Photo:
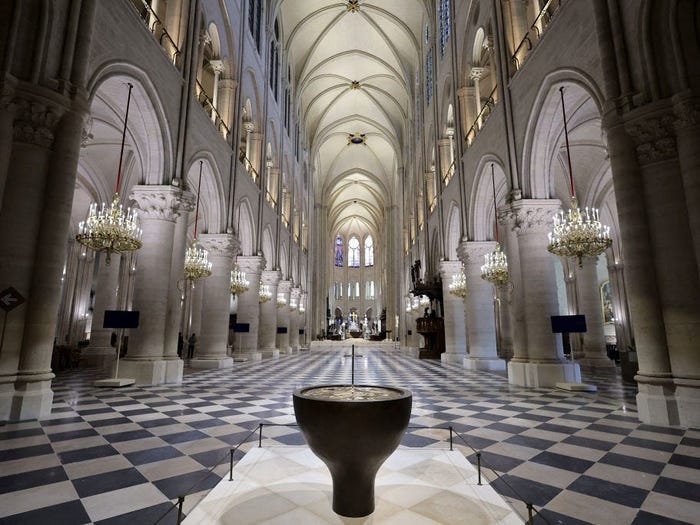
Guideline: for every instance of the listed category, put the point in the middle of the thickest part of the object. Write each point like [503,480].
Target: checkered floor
[115,456]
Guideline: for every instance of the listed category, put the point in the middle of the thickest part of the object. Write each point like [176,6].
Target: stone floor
[124,455]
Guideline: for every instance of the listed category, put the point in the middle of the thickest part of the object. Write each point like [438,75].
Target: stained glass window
[339,251]
[354,253]
[369,251]
[429,76]
[444,16]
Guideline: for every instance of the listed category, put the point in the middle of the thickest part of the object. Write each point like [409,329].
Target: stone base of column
[98,357]
[214,362]
[150,372]
[452,357]
[7,392]
[246,355]
[487,364]
[286,351]
[656,401]
[688,397]
[30,400]
[270,353]
[411,351]
[174,370]
[596,362]
[538,375]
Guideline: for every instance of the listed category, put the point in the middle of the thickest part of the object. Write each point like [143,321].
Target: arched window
[369,251]
[255,20]
[354,252]
[339,251]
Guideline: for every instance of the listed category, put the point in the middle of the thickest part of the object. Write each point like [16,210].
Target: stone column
[268,316]
[283,289]
[476,74]
[249,307]
[479,309]
[101,353]
[465,109]
[446,158]
[227,96]
[540,361]
[594,351]
[146,359]
[455,334]
[504,329]
[517,14]
[255,153]
[218,67]
[34,224]
[623,330]
[213,336]
[294,320]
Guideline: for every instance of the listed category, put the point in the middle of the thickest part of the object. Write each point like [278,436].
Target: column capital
[528,215]
[157,202]
[217,66]
[448,269]
[296,292]
[271,277]
[477,72]
[284,286]
[653,137]
[252,264]
[187,201]
[472,252]
[219,244]
[35,122]
[687,110]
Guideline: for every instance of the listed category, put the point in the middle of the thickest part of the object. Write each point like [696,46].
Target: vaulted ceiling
[354,65]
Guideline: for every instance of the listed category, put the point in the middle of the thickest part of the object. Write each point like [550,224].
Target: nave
[118,456]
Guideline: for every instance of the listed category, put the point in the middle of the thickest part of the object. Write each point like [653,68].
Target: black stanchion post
[230,468]
[180,501]
[529,514]
[450,438]
[478,468]
[353,365]
[260,437]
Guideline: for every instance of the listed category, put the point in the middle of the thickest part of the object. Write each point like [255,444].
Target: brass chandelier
[264,295]
[577,233]
[197,265]
[111,229]
[281,300]
[495,268]
[458,286]
[239,283]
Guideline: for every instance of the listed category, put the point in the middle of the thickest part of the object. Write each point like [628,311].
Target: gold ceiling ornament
[264,295]
[112,229]
[353,6]
[495,268]
[197,265]
[239,283]
[458,286]
[355,85]
[356,138]
[577,233]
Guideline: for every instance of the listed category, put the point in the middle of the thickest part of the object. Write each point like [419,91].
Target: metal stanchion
[260,436]
[478,467]
[180,501]
[450,438]
[529,514]
[230,469]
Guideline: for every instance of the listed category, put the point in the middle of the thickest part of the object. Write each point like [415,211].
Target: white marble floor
[283,485]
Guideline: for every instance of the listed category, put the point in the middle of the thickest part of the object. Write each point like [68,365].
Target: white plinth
[114,383]
[278,485]
[577,387]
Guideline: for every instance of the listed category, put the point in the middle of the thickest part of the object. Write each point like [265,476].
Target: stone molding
[35,122]
[251,264]
[219,244]
[654,138]
[157,202]
[472,252]
[188,201]
[271,277]
[529,215]
[284,287]
[296,293]
[687,110]
[448,269]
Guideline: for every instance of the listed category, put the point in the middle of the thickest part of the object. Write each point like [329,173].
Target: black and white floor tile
[112,456]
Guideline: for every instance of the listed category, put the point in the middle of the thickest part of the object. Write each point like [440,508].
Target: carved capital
[157,202]
[271,277]
[687,110]
[472,252]
[529,215]
[219,244]
[448,269]
[251,264]
[296,293]
[35,122]
[654,138]
[284,287]
[187,201]
[477,72]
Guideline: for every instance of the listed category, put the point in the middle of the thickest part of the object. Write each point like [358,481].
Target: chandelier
[111,229]
[458,286]
[577,233]
[281,300]
[197,265]
[239,283]
[495,268]
[292,304]
[264,295]
[302,308]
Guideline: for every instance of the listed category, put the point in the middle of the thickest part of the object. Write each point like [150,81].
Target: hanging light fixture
[197,265]
[281,300]
[495,268]
[239,283]
[458,286]
[264,295]
[111,229]
[577,233]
